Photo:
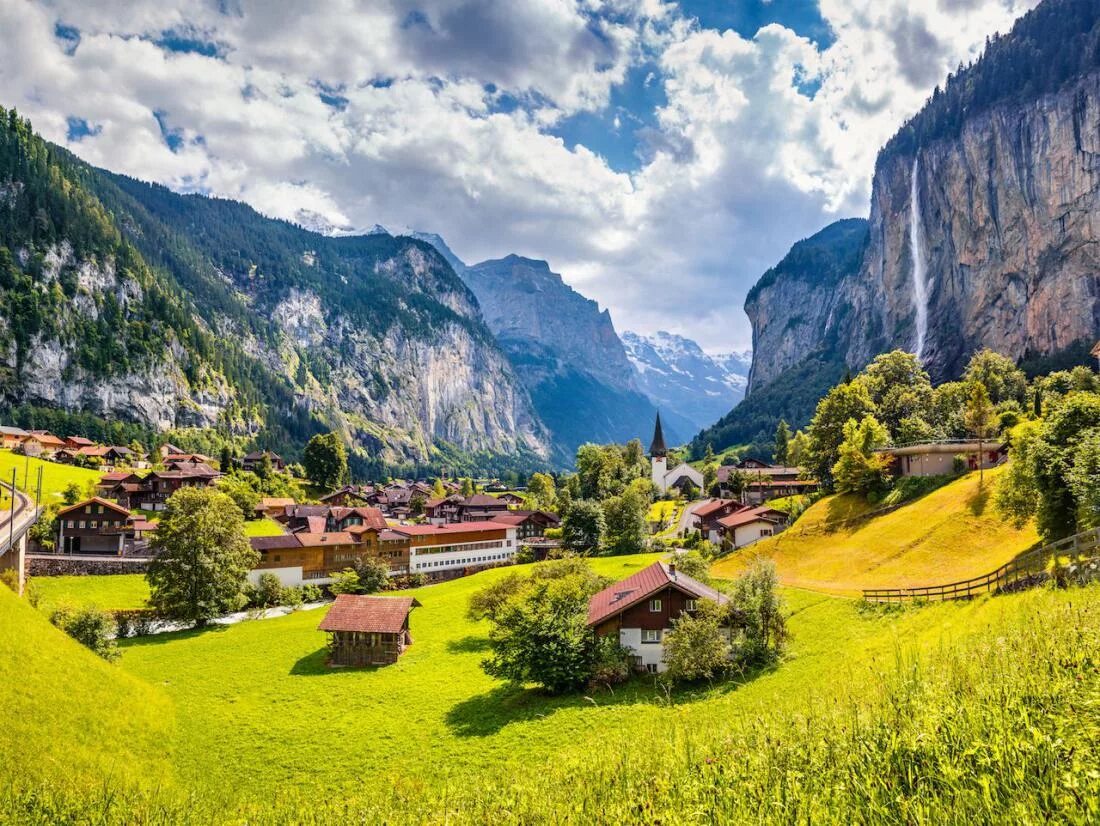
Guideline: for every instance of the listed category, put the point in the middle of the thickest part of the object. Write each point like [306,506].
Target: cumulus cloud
[442,115]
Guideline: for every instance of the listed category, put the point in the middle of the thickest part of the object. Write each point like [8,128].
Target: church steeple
[657,449]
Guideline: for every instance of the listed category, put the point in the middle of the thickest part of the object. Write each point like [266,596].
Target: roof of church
[657,448]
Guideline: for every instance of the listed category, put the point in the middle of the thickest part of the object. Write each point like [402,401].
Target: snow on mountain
[683,379]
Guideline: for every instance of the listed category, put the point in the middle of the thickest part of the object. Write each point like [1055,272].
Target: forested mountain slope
[131,301]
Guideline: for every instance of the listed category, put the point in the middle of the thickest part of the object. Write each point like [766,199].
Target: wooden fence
[1027,569]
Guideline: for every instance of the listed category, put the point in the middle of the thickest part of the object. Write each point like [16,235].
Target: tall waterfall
[916,249]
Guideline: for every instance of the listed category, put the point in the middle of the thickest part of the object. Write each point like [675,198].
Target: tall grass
[999,726]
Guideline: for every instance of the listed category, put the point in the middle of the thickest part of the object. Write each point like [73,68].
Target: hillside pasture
[117,592]
[55,477]
[840,546]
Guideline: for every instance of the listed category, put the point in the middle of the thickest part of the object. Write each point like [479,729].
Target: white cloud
[443,117]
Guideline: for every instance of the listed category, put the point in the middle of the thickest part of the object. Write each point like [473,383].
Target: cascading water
[916,249]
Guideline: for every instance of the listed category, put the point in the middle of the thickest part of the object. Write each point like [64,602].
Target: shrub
[345,582]
[757,610]
[291,598]
[611,664]
[10,578]
[312,592]
[959,465]
[697,647]
[267,592]
[123,624]
[91,627]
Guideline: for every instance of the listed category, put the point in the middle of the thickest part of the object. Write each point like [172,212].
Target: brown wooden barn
[367,630]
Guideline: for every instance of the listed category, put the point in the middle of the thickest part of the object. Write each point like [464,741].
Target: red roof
[454,527]
[618,597]
[747,517]
[372,517]
[95,500]
[713,506]
[79,441]
[314,540]
[356,612]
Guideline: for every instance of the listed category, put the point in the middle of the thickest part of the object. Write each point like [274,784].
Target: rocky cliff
[983,229]
[128,301]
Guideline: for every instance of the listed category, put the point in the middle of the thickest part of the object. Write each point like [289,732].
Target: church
[680,476]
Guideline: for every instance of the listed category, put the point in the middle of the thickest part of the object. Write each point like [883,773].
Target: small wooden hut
[367,630]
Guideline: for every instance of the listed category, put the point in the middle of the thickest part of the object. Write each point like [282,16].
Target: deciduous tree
[202,556]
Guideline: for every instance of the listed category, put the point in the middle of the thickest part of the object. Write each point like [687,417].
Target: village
[419,532]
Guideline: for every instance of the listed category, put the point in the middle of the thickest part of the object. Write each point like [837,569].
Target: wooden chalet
[528,524]
[367,630]
[254,461]
[94,526]
[641,609]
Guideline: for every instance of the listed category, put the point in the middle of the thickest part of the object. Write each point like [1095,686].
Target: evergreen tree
[782,442]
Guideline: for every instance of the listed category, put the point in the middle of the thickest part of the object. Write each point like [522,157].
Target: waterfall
[916,249]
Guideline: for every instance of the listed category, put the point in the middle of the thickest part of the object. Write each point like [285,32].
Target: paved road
[685,517]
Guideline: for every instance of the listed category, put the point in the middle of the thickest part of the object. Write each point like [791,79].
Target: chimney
[672,569]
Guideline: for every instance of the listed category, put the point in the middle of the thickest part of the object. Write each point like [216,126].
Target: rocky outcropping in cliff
[684,380]
[566,351]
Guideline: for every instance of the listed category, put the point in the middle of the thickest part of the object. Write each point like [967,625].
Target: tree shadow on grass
[471,644]
[487,714]
[978,503]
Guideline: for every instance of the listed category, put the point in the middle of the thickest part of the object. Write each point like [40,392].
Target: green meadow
[979,711]
[55,477]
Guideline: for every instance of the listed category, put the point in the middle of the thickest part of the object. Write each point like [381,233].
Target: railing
[1025,570]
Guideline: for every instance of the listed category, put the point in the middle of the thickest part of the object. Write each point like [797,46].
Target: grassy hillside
[55,477]
[950,534]
[70,717]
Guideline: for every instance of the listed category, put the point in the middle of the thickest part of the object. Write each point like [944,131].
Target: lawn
[950,534]
[117,592]
[265,526]
[55,477]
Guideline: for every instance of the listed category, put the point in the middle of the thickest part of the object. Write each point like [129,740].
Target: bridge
[15,522]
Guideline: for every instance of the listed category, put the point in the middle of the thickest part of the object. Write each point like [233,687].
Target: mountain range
[982,233]
[126,301]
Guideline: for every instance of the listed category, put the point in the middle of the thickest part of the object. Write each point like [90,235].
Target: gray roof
[13,431]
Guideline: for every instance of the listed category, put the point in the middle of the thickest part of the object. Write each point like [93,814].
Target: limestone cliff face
[1011,233]
[1009,223]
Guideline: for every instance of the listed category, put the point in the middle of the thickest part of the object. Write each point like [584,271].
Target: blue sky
[660,155]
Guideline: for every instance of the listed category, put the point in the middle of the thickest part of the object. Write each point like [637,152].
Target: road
[685,516]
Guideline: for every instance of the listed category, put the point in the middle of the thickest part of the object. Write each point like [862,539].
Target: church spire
[658,449]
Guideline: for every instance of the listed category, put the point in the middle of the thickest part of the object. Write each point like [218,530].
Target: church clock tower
[658,457]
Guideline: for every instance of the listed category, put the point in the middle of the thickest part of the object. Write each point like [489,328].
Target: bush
[698,647]
[10,578]
[91,627]
[123,624]
[266,593]
[959,464]
[757,611]
[291,598]
[312,592]
[611,664]
[345,582]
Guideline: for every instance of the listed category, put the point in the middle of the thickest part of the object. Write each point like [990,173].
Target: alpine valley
[124,300]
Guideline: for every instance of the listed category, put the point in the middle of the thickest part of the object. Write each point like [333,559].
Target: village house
[938,458]
[350,495]
[273,506]
[641,610]
[367,630]
[94,526]
[151,492]
[683,477]
[254,461]
[184,461]
[443,551]
[761,481]
[12,437]
[77,442]
[705,517]
[41,443]
[746,526]
[512,499]
[528,524]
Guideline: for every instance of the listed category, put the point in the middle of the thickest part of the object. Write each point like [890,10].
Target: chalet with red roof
[641,610]
[367,630]
[744,527]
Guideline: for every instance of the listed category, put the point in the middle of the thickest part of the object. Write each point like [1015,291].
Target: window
[654,606]
[80,524]
[278,558]
[71,524]
[651,636]
[651,668]
[691,604]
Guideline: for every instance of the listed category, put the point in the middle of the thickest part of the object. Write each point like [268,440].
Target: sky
[660,155]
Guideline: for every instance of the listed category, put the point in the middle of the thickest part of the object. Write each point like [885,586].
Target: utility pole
[11,516]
